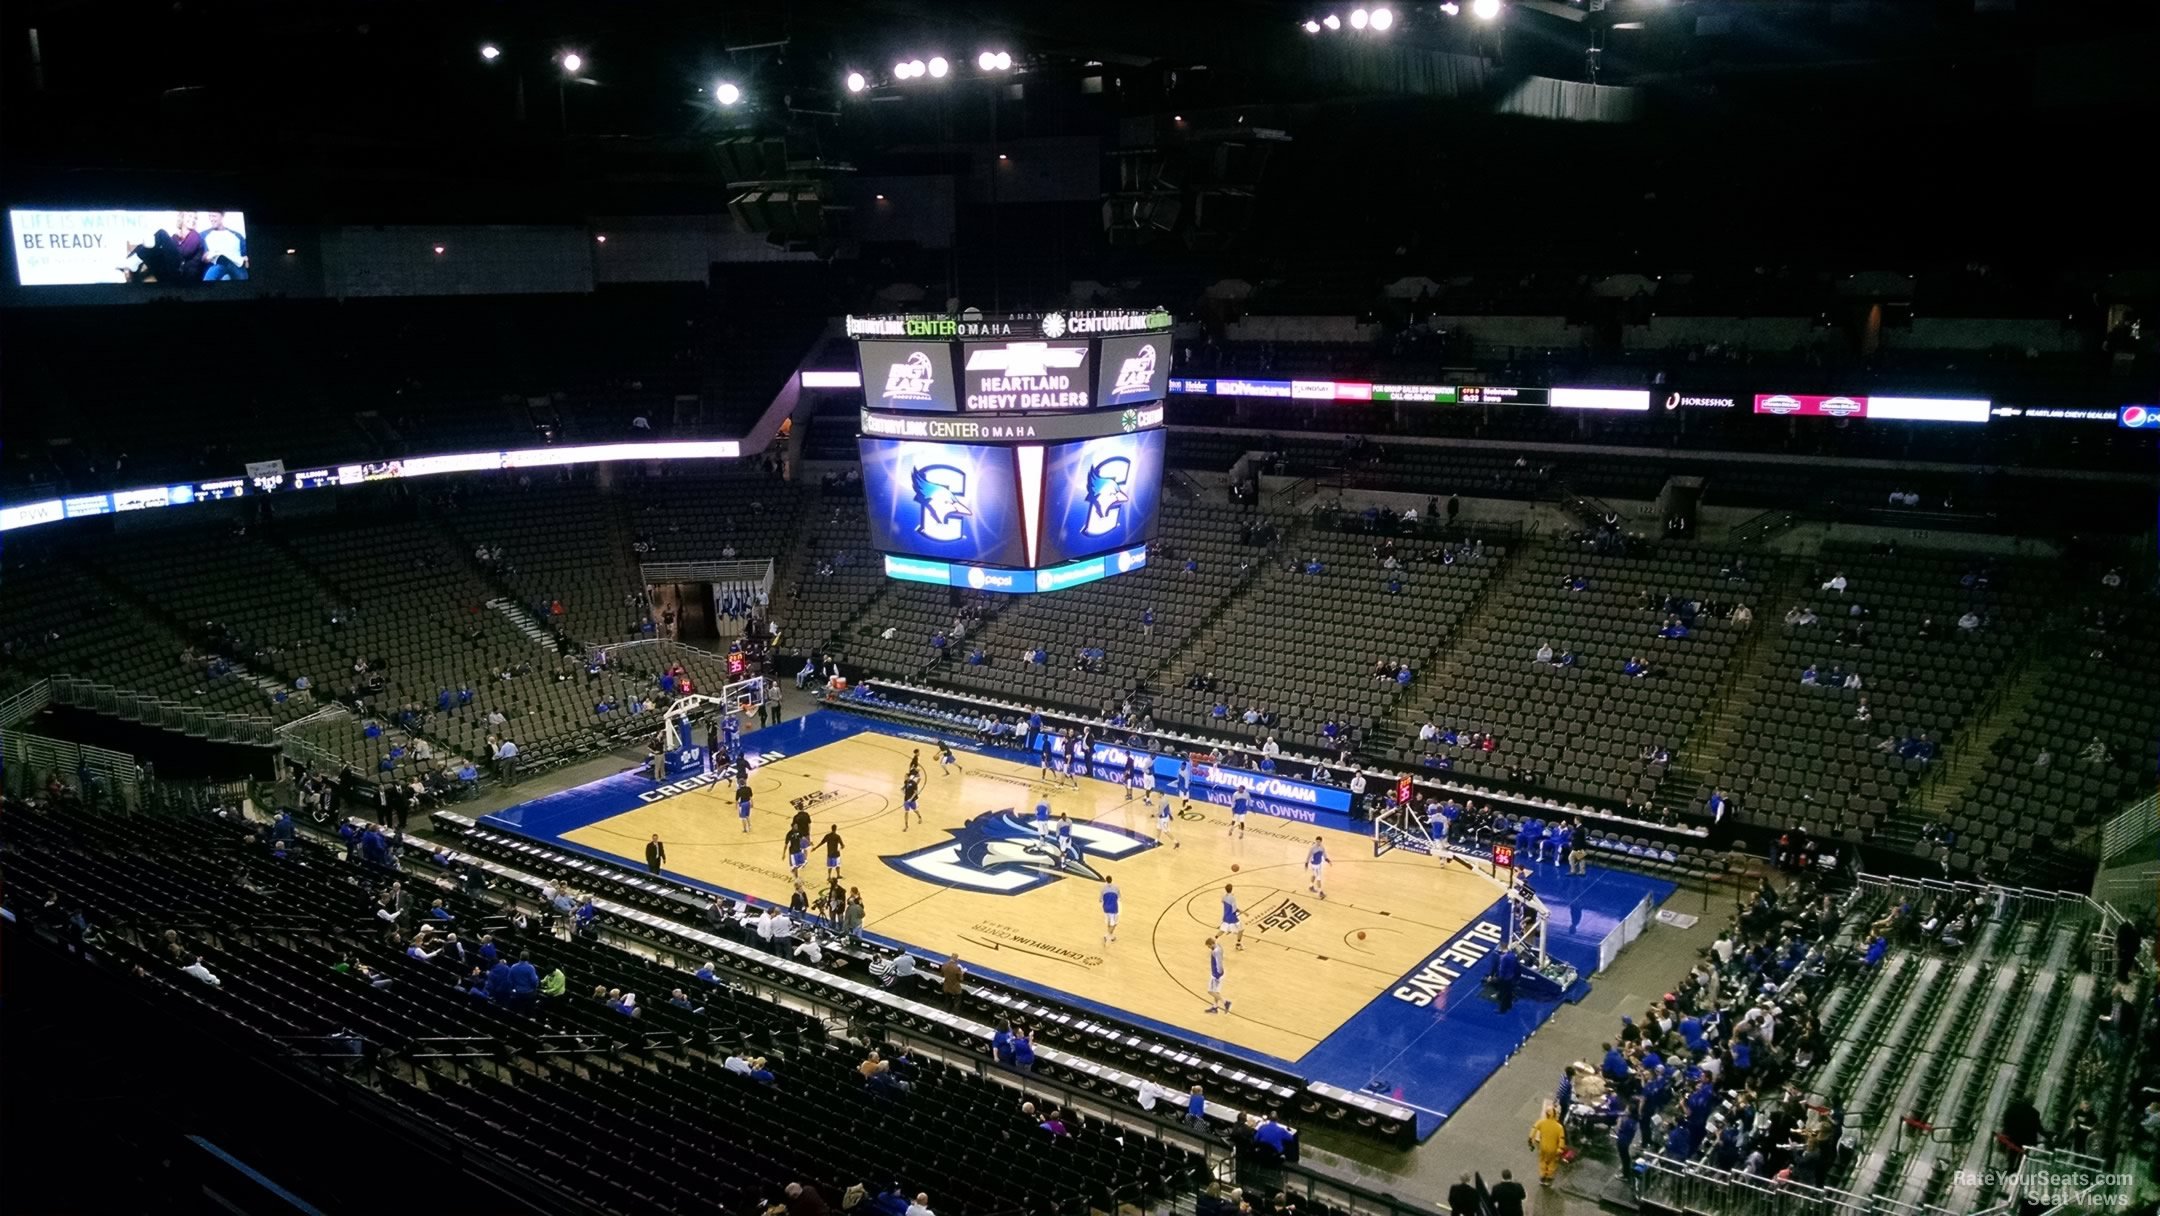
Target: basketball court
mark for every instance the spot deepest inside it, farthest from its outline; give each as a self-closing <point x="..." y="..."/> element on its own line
<point x="1357" y="981"/>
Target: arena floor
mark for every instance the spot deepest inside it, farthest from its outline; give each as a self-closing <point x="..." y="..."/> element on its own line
<point x="1360" y="988"/>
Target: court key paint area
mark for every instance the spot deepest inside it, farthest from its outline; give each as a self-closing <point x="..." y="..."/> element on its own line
<point x="964" y="878"/>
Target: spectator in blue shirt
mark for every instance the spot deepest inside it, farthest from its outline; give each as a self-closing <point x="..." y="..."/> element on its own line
<point x="1196" y="1107"/>
<point x="1272" y="1134"/>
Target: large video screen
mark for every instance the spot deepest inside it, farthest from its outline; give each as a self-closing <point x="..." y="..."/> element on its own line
<point x="1017" y="377"/>
<point x="1100" y="495"/>
<point x="1134" y="369"/>
<point x="170" y="248"/>
<point x="907" y="375"/>
<point x="953" y="501"/>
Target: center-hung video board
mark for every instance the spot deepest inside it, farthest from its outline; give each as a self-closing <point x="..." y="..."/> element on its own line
<point x="1013" y="453"/>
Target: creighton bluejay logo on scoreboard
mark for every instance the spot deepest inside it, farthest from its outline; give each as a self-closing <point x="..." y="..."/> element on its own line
<point x="997" y="853"/>
<point x="941" y="492"/>
<point x="1107" y="496"/>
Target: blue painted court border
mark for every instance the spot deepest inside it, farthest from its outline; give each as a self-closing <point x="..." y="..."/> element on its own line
<point x="1431" y="1057"/>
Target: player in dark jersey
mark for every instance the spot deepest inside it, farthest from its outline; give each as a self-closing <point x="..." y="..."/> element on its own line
<point x="910" y="787"/>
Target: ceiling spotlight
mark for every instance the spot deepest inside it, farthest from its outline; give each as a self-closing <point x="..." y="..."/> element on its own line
<point x="600" y="237"/>
<point x="856" y="83"/>
<point x="987" y="61"/>
<point x="1311" y="26"/>
<point x="1383" y="18"/>
<point x="1486" y="10"/>
<point x="916" y="68"/>
<point x="1358" y="18"/>
<point x="1002" y="156"/>
<point x="881" y="198"/>
<point x="1331" y="21"/>
<point x="289" y="252"/>
<point x="572" y="61"/>
<point x="1451" y="8"/>
<point x="1177" y="118"/>
<point x="727" y="93"/>
<point x="490" y="52"/>
<point x="1004" y="61"/>
<point x="438" y="251"/>
<point x="938" y="67"/>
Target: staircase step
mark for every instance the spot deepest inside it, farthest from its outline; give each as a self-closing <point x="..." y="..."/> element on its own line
<point x="526" y="623"/>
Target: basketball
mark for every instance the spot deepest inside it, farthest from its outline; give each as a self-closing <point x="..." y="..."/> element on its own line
<point x="1361" y="935"/>
<point x="1235" y="867"/>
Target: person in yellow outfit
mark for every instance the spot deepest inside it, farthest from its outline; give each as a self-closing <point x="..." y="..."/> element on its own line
<point x="1550" y="1140"/>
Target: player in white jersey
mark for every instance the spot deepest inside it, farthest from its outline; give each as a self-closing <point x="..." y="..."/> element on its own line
<point x="1232" y="920"/>
<point x="1316" y="860"/>
<point x="1110" y="896"/>
<point x="1064" y="839"/>
<point x="1216" y="1003"/>
<point x="1238" y="807"/>
<point x="1162" y="824"/>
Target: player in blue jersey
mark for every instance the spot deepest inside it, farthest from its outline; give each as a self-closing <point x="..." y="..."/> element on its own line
<point x="1110" y="894"/>
<point x="1232" y="920"/>
<point x="1043" y="826"/>
<point x="731" y="736"/>
<point x="946" y="762"/>
<point x="1316" y="860"/>
<point x="910" y="788"/>
<point x="1238" y="806"/>
<point x="1216" y="1003"/>
<point x="1162" y="824"/>
<point x="742" y="804"/>
<point x="1184" y="778"/>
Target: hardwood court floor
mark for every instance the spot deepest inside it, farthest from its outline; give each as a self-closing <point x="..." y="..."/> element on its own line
<point x="1308" y="964"/>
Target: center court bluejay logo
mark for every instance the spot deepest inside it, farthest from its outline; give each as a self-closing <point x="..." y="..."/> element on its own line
<point x="941" y="492"/>
<point x="997" y="853"/>
<point x="1107" y="496"/>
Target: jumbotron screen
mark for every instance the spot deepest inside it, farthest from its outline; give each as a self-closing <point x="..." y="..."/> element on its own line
<point x="169" y="248"/>
<point x="1013" y="453"/>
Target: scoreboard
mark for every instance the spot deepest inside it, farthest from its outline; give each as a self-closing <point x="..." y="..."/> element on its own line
<point x="1016" y="453"/>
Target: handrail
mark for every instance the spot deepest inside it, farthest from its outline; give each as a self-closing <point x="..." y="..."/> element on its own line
<point x="159" y="712"/>
<point x="26" y="704"/>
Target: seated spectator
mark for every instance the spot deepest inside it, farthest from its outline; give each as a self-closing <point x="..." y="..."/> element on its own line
<point x="1807" y="675"/>
<point x="2096" y="752"/>
<point x="1800" y="615"/>
<point x="1544" y="652"/>
<point x="1969" y="622"/>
